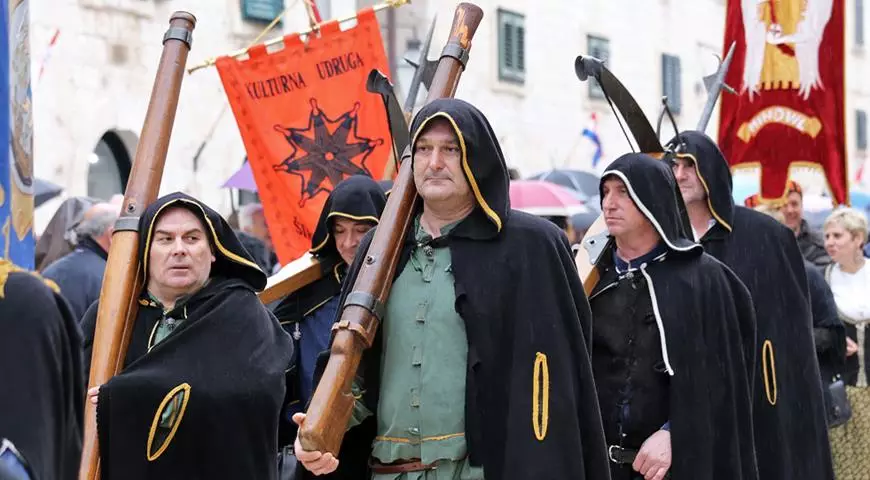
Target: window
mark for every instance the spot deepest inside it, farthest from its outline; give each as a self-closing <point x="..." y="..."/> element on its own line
<point x="861" y="129"/>
<point x="511" y="47"/>
<point x="671" y="82"/>
<point x="859" y="22"/>
<point x="599" y="48"/>
<point x="261" y="10"/>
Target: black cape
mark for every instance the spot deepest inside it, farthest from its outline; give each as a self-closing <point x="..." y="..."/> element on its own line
<point x="227" y="360"/>
<point x="41" y="377"/>
<point x="788" y="409"/>
<point x="706" y="317"/>
<point x="358" y="198"/>
<point x="519" y="293"/>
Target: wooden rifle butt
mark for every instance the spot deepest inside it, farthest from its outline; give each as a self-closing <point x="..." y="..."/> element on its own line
<point x="297" y="274"/>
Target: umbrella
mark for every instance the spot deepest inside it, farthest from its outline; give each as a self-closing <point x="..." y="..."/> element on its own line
<point x="242" y="179"/>
<point x="581" y="181"/>
<point x="544" y="199"/>
<point x="44" y="191"/>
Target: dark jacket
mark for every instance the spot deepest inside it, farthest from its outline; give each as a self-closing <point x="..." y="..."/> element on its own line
<point x="791" y="436"/>
<point x="705" y="321"/>
<point x="42" y="388"/>
<point x="79" y="275"/>
<point x="812" y="245"/>
<point x="527" y="325"/>
<point x="222" y="369"/>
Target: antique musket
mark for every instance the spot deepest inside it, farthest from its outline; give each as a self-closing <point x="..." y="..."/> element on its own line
<point x="123" y="281"/>
<point x="363" y="309"/>
<point x="307" y="269"/>
<point x="647" y="140"/>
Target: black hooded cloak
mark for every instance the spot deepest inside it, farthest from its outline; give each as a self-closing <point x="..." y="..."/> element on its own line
<point x="41" y="375"/>
<point x="357" y="198"/>
<point x="788" y="408"/>
<point x="703" y="313"/>
<point x="222" y="370"/>
<point x="518" y="291"/>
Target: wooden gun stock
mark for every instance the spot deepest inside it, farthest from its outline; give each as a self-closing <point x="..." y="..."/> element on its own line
<point x="332" y="403"/>
<point x="123" y="281"/>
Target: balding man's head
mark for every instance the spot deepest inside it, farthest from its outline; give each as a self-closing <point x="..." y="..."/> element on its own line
<point x="97" y="224"/>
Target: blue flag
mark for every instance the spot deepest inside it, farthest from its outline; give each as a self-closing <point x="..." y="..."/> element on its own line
<point x="16" y="143"/>
<point x="593" y="137"/>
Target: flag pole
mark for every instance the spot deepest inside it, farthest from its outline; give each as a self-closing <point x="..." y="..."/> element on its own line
<point x="381" y="6"/>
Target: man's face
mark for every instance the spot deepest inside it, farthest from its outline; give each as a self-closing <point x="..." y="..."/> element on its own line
<point x="438" y="171"/>
<point x="793" y="210"/>
<point x="180" y="256"/>
<point x="687" y="178"/>
<point x="348" y="234"/>
<point x="260" y="229"/>
<point x="620" y="213"/>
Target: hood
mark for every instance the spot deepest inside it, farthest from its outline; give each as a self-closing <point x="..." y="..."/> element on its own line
<point x="713" y="170"/>
<point x="482" y="162"/>
<point x="654" y="190"/>
<point x="358" y="198"/>
<point x="231" y="259"/>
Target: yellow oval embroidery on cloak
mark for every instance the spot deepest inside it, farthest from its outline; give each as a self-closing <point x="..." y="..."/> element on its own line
<point x="541" y="397"/>
<point x="181" y="392"/>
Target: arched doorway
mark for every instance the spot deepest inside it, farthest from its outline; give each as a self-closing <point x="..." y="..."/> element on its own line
<point x="109" y="167"/>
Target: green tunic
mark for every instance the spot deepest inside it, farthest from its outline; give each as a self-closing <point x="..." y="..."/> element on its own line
<point x="421" y="410"/>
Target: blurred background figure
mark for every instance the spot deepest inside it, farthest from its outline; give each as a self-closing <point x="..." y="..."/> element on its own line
<point x="254" y="235"/>
<point x="79" y="274"/>
<point x="849" y="278"/>
<point x="58" y="238"/>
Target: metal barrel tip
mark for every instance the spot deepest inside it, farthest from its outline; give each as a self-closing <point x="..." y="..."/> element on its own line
<point x="182" y="15"/>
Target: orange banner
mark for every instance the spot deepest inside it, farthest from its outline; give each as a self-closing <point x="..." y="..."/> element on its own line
<point x="308" y="122"/>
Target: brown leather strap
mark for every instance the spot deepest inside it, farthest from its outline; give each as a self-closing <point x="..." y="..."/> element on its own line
<point x="415" y="465"/>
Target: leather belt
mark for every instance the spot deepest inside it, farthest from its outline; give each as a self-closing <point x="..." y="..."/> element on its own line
<point x="621" y="456"/>
<point x="402" y="466"/>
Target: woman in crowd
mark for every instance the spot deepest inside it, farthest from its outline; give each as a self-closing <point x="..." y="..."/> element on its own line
<point x="849" y="277"/>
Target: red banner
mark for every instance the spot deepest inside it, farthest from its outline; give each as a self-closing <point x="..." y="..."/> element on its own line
<point x="308" y="122"/>
<point x="789" y="67"/>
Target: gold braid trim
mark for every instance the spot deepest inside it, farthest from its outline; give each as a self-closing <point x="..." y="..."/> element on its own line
<point x="7" y="267"/>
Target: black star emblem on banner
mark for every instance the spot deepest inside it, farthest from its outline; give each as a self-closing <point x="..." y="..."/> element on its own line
<point x="326" y="149"/>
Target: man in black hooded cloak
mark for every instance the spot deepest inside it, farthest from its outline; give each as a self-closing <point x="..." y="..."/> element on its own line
<point x="668" y="345"/>
<point x="791" y="436"/>
<point x="203" y="382"/>
<point x="41" y="383"/>
<point x="480" y="368"/>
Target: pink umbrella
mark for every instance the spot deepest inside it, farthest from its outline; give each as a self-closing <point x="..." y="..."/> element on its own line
<point x="544" y="198"/>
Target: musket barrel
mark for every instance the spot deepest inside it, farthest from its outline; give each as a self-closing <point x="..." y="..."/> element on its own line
<point x="121" y="285"/>
<point x="332" y="402"/>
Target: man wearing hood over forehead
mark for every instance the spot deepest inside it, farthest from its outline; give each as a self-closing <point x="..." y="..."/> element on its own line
<point x="480" y="368"/>
<point x="788" y="404"/>
<point x="352" y="209"/>
<point x="670" y="364"/>
<point x="203" y="380"/>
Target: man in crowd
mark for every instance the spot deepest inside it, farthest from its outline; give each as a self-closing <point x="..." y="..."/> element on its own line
<point x="668" y="347"/>
<point x="487" y="310"/>
<point x="79" y="274"/>
<point x="203" y="380"/>
<point x="254" y="234"/>
<point x="788" y="408"/>
<point x="810" y="241"/>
